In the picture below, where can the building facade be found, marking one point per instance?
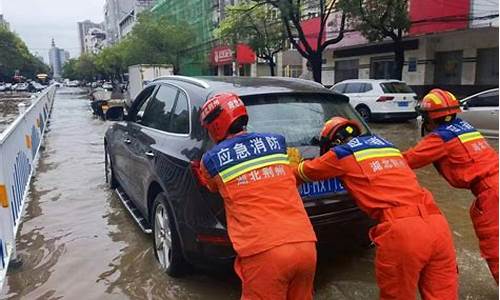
(451, 44)
(127, 22)
(202, 16)
(84, 28)
(94, 41)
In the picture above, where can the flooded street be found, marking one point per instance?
(77, 241)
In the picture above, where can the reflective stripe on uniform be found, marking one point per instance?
(375, 153)
(247, 166)
(471, 136)
(302, 175)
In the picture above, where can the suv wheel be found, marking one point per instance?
(108, 170)
(364, 112)
(167, 246)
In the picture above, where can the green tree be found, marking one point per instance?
(15, 56)
(381, 19)
(110, 62)
(258, 26)
(311, 48)
(155, 39)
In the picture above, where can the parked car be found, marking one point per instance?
(107, 86)
(379, 99)
(481, 110)
(22, 87)
(2, 87)
(149, 160)
(8, 86)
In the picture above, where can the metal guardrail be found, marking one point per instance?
(19, 148)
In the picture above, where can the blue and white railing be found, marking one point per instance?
(19, 148)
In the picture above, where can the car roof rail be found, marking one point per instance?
(295, 79)
(195, 81)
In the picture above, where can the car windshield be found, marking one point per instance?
(395, 88)
(298, 117)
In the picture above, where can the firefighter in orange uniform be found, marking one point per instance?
(413, 240)
(464, 158)
(266, 220)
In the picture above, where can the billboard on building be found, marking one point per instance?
(431, 16)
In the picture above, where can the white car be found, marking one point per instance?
(481, 110)
(379, 99)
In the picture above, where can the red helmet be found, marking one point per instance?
(335, 131)
(439, 103)
(220, 112)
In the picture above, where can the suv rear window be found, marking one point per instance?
(395, 88)
(298, 117)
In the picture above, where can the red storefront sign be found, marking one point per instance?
(431, 16)
(223, 55)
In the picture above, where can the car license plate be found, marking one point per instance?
(403, 104)
(321, 188)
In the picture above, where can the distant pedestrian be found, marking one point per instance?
(414, 244)
(266, 220)
(466, 160)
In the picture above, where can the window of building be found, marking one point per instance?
(487, 66)
(448, 67)
(159, 110)
(228, 70)
(382, 67)
(412, 64)
(292, 71)
(346, 69)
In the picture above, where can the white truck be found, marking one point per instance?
(140, 75)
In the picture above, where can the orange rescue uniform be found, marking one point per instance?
(464, 158)
(266, 220)
(414, 243)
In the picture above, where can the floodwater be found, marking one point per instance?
(78, 242)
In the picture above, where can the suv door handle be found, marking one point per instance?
(127, 141)
(150, 154)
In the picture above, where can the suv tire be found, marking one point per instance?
(364, 112)
(108, 170)
(167, 246)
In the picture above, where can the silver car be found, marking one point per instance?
(481, 110)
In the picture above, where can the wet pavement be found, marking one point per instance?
(78, 242)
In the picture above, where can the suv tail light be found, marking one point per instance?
(385, 98)
(213, 239)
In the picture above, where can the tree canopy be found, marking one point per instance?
(15, 56)
(381, 19)
(257, 25)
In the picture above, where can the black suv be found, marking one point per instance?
(151, 159)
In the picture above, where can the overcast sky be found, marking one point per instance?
(38, 21)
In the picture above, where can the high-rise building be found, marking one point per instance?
(128, 21)
(57, 58)
(83, 30)
(114, 11)
(94, 41)
(120, 17)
